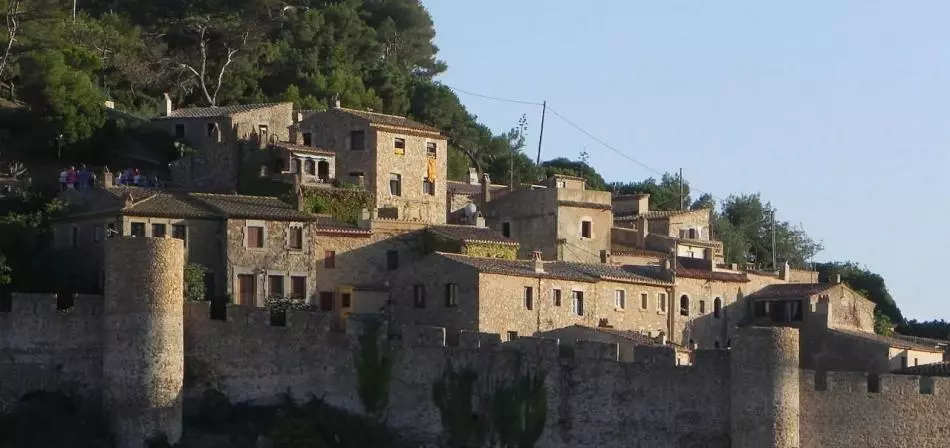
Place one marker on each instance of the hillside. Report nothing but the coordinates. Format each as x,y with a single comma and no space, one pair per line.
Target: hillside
375,55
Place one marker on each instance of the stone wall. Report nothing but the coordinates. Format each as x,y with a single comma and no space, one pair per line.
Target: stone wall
839,409
849,310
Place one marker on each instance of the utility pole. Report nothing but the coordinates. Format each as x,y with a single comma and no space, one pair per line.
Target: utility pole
74,10
681,190
544,111
774,263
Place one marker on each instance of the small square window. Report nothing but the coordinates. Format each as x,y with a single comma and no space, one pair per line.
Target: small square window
346,300
255,237
399,146
179,131
298,287
296,238
528,298
451,295
512,335
578,303
586,229
432,149
620,298
428,187
179,231
556,297
661,302
702,307
275,286
357,140
419,296
138,229
644,300
307,139
329,259
158,230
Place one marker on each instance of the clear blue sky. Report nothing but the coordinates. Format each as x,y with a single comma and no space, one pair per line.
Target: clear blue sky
836,112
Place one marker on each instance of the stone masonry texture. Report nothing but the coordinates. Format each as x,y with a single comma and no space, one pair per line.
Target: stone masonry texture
143,342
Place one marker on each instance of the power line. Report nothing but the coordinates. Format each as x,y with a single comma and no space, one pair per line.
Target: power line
494,98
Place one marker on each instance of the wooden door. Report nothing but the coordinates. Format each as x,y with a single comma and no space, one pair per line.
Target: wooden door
247,287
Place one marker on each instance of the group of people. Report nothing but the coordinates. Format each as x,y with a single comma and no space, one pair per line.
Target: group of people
73,179
135,177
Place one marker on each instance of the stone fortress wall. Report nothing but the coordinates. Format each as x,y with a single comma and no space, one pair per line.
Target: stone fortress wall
753,395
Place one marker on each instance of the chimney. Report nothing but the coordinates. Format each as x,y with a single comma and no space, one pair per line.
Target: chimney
666,264
479,221
108,181
336,101
643,229
473,176
167,111
836,279
643,202
486,191
538,262
299,117
129,200
784,273
662,338
110,104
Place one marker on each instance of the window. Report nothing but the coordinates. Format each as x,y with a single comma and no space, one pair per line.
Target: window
138,229
620,298
180,232
661,302
399,146
247,289
395,184
158,230
307,139
255,237
310,167
419,296
275,286
296,238
702,307
345,300
97,234
585,229
428,187
528,298
209,129
392,260
512,335
432,149
329,259
904,362
298,287
692,234
451,294
179,131
357,140
326,301
644,300
684,306
262,132
916,362
717,308
578,303
506,229
556,297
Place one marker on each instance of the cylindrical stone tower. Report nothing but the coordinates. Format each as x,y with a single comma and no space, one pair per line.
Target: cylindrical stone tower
765,388
143,338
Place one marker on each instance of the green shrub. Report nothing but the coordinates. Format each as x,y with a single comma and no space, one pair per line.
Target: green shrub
195,282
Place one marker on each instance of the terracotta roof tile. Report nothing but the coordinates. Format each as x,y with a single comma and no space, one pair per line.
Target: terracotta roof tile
935,369
388,120
473,234
303,148
165,205
790,290
635,336
253,207
215,112
711,275
583,272
892,342
622,249
655,214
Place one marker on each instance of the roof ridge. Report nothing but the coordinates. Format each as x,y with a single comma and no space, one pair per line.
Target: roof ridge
346,109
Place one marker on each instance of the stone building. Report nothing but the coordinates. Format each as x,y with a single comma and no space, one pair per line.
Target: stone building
837,328
632,345
400,161
687,233
527,297
562,219
462,197
220,138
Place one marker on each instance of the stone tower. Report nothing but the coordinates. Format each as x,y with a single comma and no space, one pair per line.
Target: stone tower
764,386
143,338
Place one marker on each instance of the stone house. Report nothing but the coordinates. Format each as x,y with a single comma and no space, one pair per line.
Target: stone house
216,135
562,219
526,297
837,328
687,233
313,166
400,161
462,197
470,240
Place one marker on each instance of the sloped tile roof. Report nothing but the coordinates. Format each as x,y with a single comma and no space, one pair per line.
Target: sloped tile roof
583,272
253,207
634,336
623,249
921,339
656,214
711,275
215,112
304,149
473,234
388,120
790,290
891,342
935,369
165,205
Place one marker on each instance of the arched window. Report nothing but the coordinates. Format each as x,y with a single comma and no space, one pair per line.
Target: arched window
717,308
684,306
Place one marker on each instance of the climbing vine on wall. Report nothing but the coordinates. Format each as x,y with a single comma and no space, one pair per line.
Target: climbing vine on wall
345,204
520,410
454,395
195,282
373,369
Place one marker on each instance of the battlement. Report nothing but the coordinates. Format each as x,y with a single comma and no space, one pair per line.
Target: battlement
50,305
860,383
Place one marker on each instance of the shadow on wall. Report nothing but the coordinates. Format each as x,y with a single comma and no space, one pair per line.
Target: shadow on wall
713,328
